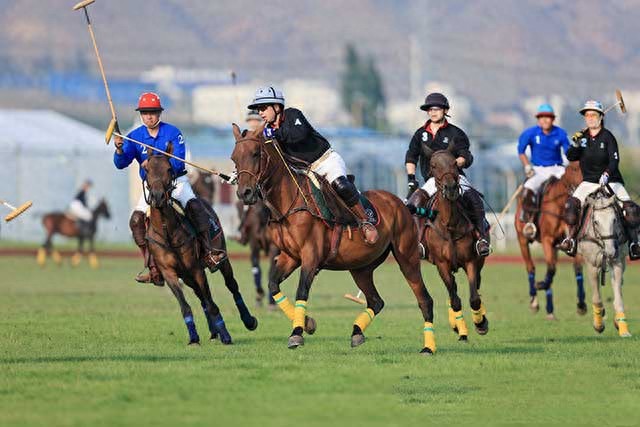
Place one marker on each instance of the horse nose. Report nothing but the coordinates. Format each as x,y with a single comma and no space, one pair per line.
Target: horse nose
247,194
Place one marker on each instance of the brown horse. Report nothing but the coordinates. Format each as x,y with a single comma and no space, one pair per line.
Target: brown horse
60,223
448,238
551,229
204,186
306,240
173,244
254,231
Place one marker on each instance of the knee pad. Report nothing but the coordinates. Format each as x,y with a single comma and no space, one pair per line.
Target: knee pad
572,211
346,190
631,214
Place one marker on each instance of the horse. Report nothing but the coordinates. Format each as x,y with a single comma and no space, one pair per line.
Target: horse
602,244
307,240
551,229
61,223
254,231
173,244
204,186
447,238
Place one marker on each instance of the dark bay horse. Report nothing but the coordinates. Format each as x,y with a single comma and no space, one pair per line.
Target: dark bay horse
307,241
204,186
60,223
254,231
173,244
551,229
448,238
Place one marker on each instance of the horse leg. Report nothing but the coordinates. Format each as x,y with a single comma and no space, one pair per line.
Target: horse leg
93,258
456,318
551,258
364,280
273,256
620,322
577,269
531,272
308,272
198,282
250,322
598,309
76,258
41,257
257,273
405,251
283,267
187,315
478,312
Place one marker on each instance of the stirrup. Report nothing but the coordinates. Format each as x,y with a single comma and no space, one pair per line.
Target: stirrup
634,247
571,243
488,250
533,230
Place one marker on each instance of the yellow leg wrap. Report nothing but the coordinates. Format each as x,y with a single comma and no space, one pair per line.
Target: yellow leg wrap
299,313
364,319
452,316
284,304
429,336
56,257
76,259
597,315
623,327
460,324
41,258
93,261
477,315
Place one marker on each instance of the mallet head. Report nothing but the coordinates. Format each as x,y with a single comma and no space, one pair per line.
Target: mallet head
623,107
112,126
20,209
82,4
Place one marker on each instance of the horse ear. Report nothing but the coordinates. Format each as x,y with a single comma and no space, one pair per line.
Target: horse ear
451,147
169,147
236,131
259,129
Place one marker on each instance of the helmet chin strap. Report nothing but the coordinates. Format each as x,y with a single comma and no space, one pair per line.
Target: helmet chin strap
153,126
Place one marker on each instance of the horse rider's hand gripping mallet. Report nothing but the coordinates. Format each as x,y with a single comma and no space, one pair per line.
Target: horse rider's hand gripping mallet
15,211
113,125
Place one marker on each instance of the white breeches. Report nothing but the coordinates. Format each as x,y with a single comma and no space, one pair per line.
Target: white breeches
330,165
585,188
542,174
430,185
80,211
182,193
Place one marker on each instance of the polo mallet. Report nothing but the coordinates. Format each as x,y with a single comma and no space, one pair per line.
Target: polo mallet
15,211
149,147
356,299
113,125
619,102
509,203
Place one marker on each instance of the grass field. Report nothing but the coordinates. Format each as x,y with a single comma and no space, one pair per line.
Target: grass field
84,347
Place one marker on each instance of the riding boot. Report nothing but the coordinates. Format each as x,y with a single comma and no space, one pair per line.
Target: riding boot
631,221
139,231
200,219
473,199
368,229
572,218
528,211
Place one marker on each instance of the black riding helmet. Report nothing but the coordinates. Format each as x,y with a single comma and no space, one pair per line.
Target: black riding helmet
435,100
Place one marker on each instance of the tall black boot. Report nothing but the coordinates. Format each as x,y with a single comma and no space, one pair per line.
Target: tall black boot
472,198
138,227
572,211
528,212
200,218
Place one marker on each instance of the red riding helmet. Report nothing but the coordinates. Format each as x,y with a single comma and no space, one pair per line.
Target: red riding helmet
149,102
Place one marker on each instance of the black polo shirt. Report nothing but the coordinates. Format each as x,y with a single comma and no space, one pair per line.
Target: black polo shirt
597,154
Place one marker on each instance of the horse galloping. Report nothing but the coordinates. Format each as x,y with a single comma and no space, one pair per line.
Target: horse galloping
173,244
306,240
550,230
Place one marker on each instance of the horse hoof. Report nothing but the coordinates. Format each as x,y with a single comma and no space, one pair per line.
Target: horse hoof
310,325
193,343
357,340
600,329
551,316
295,341
455,330
533,305
426,352
213,337
463,338
581,308
482,328
625,335
252,325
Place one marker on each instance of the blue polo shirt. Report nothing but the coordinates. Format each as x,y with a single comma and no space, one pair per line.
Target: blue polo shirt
166,133
546,150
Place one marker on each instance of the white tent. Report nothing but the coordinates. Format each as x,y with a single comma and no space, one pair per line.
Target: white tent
45,158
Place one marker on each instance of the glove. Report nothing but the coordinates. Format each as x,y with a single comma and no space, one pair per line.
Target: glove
604,179
269,132
529,171
412,184
118,142
233,178
576,137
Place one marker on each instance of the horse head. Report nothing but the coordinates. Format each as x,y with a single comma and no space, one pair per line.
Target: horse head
572,176
605,227
251,161
445,171
102,209
160,177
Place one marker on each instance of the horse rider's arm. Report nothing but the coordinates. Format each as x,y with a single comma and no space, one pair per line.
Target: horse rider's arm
179,151
523,142
413,152
574,153
464,158
125,158
295,128
614,156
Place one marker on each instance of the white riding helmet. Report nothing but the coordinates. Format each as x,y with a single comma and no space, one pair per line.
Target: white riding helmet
267,95
592,105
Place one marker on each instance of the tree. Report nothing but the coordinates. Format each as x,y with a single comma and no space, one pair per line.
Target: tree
362,90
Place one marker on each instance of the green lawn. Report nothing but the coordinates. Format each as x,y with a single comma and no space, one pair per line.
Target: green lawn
84,347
